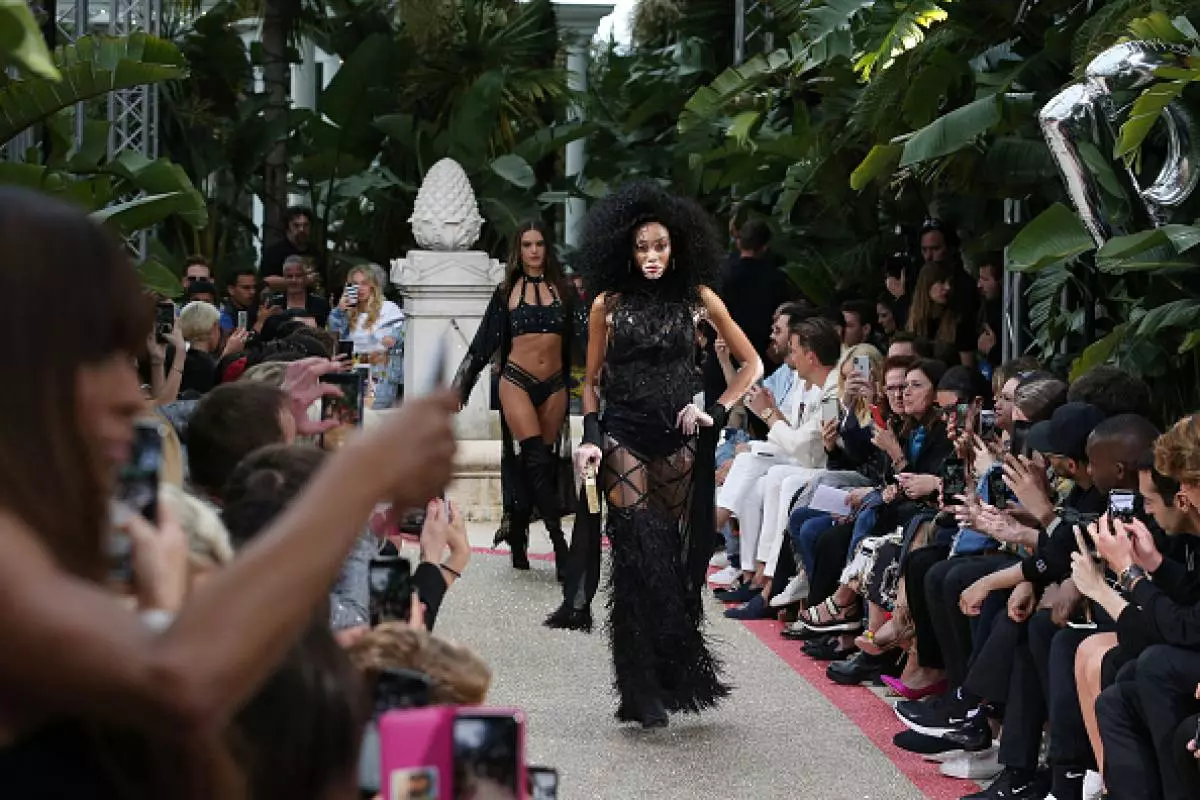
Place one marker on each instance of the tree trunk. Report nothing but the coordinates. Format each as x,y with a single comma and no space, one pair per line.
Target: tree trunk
277,79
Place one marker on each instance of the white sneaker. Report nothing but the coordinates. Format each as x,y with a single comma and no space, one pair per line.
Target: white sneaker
794,592
983,765
726,577
1093,785
719,560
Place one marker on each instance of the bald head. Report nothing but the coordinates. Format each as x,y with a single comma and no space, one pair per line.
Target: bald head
1115,449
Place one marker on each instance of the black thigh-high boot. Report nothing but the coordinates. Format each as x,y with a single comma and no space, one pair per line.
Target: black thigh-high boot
518,538
541,475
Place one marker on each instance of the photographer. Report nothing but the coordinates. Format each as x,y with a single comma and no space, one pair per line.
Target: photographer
85,681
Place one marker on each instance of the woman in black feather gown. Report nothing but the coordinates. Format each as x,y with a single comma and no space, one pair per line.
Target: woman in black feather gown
646,256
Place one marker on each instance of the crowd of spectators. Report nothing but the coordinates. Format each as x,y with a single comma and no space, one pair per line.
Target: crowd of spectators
1011,554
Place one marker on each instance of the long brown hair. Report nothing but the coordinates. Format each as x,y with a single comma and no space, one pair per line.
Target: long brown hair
922,310
552,269
54,252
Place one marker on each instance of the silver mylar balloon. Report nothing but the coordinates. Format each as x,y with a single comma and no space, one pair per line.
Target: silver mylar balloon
1082,123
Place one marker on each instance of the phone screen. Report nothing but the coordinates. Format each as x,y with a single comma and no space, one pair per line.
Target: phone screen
1122,505
987,423
961,411
997,489
829,409
485,757
164,319
389,582
347,409
243,320
954,481
346,348
137,490
543,783
1019,445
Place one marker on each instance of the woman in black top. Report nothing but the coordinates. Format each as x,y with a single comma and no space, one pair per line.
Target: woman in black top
528,326
647,256
935,313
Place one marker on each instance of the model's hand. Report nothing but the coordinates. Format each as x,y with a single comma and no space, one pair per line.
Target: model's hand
691,419
586,455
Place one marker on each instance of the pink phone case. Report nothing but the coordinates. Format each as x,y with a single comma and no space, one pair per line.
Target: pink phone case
417,751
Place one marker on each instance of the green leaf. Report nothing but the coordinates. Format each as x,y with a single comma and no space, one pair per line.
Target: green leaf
741,126
954,131
1120,252
1157,27
515,170
1098,352
906,32
1051,237
831,16
139,213
91,67
1145,112
1190,342
709,102
21,42
1175,314
879,163
158,278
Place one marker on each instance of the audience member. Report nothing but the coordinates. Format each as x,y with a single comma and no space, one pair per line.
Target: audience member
241,289
297,242
296,294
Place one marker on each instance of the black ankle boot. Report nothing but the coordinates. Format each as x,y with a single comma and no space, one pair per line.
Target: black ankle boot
561,554
571,619
517,536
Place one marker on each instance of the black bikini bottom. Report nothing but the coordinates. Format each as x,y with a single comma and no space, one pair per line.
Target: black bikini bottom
539,391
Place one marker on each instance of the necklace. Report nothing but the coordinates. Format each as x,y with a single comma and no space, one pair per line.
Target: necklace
533,278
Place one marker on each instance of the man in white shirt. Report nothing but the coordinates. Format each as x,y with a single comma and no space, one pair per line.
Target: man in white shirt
794,443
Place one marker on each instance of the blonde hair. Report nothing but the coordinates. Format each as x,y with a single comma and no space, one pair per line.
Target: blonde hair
862,409
1177,452
208,541
271,373
197,319
375,304
458,676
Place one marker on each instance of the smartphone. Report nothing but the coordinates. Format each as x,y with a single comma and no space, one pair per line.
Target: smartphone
487,754
402,688
345,348
987,423
347,409
277,301
243,321
954,480
997,489
1123,505
1019,444
164,320
862,365
137,491
351,293
877,418
543,783
961,412
830,409
390,588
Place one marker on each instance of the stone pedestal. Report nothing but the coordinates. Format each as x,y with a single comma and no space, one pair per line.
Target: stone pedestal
445,297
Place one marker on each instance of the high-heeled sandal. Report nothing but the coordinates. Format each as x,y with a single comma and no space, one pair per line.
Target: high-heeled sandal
810,618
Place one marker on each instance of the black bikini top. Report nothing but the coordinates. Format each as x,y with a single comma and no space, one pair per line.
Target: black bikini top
533,317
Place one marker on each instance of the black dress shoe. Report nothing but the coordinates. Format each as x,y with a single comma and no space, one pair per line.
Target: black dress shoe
827,649
653,714
855,669
571,619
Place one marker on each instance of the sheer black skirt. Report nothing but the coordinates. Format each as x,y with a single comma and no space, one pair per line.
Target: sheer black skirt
658,647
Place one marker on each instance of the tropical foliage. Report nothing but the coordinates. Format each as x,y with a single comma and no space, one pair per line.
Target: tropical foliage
866,117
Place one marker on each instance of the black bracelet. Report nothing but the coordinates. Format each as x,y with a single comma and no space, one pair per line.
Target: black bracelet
451,570
591,429
719,414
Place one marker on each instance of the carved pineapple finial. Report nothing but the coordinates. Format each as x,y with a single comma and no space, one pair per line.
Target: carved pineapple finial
445,214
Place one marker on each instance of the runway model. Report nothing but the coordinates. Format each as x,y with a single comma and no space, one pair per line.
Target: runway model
528,326
646,257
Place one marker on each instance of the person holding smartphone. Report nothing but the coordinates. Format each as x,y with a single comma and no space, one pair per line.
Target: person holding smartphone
85,681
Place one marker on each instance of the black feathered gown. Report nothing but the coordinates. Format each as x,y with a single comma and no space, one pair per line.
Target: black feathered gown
649,474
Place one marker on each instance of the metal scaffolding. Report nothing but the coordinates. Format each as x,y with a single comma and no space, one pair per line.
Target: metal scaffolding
751,29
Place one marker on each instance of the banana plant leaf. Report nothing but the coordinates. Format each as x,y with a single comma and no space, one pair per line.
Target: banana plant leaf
1054,236
91,67
22,44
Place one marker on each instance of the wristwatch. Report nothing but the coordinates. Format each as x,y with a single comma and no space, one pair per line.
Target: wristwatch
1130,576
768,415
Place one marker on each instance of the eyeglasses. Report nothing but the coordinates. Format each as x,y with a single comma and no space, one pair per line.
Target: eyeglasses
195,278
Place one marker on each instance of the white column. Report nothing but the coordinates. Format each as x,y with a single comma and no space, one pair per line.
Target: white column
577,23
304,93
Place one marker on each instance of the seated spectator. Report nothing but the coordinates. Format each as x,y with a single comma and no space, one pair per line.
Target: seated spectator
906,344
885,314
935,314
200,325
859,324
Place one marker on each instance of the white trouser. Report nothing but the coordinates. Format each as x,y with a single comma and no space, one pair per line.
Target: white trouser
836,478
742,493
779,486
